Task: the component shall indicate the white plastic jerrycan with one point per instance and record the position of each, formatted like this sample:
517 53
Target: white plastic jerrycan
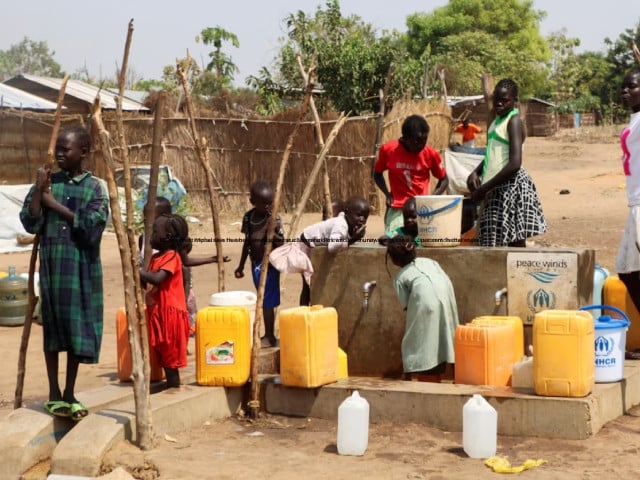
479 428
353 425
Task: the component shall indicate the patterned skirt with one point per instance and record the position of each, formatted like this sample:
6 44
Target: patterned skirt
511 212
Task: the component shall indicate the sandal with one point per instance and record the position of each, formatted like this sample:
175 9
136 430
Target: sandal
58 408
78 411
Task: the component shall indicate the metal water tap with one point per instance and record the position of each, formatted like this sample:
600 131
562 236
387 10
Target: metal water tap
366 290
499 295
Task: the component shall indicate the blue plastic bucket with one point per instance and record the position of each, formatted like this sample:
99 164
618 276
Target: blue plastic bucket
610 340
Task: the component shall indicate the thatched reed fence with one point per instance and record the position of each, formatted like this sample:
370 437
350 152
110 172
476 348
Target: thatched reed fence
240 151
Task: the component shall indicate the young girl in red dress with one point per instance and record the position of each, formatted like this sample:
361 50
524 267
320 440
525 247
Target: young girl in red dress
167 316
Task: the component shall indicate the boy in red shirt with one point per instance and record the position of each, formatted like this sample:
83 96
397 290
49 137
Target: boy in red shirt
410 162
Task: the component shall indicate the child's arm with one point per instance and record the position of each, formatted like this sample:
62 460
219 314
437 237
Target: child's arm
239 273
154 278
197 261
441 186
516 136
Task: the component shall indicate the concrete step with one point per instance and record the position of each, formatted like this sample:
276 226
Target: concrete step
439 405
29 435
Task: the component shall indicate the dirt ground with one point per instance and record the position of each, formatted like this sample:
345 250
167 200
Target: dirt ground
592 214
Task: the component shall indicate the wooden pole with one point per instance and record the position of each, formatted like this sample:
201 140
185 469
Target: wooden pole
33 300
320 160
134 302
487 91
203 157
328 204
141 388
254 403
383 93
156 151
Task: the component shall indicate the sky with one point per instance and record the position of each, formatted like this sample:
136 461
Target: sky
90 34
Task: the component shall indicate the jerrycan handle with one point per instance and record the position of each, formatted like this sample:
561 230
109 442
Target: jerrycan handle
621 314
316 307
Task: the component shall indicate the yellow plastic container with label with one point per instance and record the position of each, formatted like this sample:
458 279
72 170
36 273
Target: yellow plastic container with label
615 294
563 353
223 346
481 358
343 364
308 346
513 322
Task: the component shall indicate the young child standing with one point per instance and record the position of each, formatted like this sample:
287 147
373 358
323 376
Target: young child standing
163 207
69 210
510 211
628 260
336 234
409 227
254 227
426 293
167 317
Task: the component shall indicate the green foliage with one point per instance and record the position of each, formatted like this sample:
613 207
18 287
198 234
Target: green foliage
621 60
269 92
351 61
220 71
29 57
466 38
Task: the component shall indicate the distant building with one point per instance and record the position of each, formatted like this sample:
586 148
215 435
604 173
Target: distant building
79 96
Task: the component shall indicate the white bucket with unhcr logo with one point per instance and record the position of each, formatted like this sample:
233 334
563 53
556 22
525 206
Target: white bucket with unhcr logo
610 340
439 220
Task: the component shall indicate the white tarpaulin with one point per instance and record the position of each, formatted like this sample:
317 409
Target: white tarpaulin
459 165
11 199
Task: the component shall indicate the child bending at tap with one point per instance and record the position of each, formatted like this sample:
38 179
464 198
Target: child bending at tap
409 226
167 316
336 234
425 292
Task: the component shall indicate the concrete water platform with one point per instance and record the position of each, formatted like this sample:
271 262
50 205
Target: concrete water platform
439 405
29 435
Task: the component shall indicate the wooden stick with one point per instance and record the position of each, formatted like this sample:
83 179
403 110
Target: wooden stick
156 152
314 175
254 403
141 390
373 192
203 157
134 303
33 300
328 204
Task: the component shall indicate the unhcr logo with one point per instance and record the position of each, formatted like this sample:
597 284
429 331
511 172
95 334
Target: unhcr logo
604 346
426 214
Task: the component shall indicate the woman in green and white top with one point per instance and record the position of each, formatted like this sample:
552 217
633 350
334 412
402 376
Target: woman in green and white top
510 211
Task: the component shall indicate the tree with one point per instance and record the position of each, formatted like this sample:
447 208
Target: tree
351 60
621 60
29 57
469 36
220 71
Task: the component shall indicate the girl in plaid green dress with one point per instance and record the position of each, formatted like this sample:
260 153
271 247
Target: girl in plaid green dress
69 210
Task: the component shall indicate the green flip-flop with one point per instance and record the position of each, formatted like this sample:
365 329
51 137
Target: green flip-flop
78 411
58 408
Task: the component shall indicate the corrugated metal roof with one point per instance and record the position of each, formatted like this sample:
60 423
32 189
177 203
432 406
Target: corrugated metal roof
135 95
544 102
16 98
86 92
